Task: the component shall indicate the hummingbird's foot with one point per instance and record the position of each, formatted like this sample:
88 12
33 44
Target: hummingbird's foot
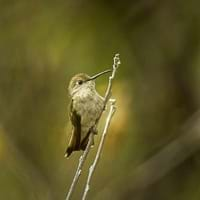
94 130
92 143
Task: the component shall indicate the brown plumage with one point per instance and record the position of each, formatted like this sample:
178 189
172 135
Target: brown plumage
85 107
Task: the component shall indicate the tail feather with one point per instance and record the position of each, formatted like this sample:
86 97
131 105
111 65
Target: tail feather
68 152
85 141
74 144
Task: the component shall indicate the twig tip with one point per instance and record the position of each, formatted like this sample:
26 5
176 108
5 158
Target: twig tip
117 61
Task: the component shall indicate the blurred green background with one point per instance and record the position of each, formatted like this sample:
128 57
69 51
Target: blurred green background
44 43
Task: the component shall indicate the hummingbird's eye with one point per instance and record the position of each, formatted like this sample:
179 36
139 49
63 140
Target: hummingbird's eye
80 82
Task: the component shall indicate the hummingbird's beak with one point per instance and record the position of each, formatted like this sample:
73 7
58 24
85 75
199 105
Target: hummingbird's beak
99 74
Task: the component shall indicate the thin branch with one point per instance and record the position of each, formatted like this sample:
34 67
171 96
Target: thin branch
79 168
99 151
116 63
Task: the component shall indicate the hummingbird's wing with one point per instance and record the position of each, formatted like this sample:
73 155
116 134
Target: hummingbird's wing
74 143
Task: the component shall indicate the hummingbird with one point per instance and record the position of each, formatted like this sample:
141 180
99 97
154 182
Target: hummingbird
85 108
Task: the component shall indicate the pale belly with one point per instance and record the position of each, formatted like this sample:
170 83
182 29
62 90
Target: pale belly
89 107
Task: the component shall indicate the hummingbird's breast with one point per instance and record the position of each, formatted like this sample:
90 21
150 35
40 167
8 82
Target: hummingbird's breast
88 104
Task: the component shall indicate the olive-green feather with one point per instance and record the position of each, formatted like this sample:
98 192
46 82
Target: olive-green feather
74 143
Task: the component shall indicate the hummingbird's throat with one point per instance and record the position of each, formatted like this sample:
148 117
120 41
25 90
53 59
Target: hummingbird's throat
84 89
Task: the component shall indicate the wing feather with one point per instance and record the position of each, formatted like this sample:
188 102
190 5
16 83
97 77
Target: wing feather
74 143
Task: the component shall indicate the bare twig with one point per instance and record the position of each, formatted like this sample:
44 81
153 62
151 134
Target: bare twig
116 64
97 157
82 159
79 168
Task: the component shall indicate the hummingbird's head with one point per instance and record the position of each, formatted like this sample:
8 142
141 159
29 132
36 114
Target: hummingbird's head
81 81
